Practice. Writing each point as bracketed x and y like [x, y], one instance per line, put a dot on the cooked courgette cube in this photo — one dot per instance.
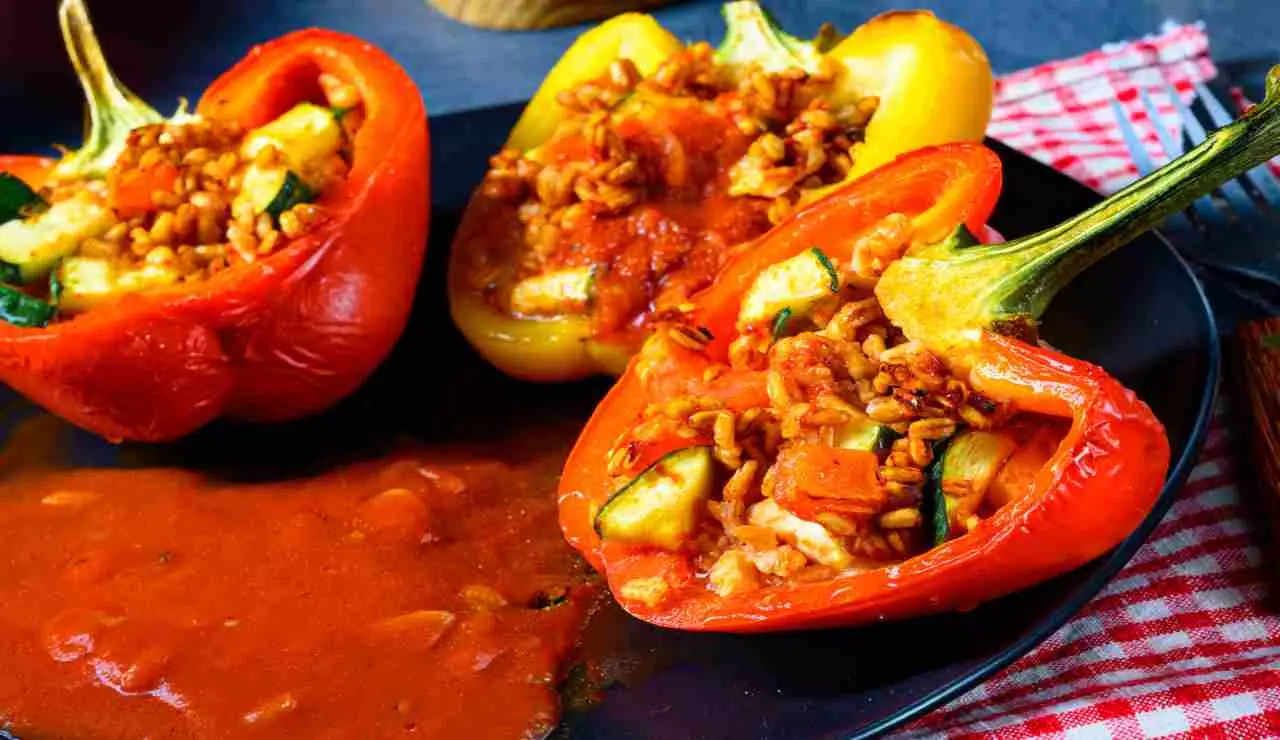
[36, 244]
[87, 281]
[863, 433]
[958, 478]
[274, 190]
[661, 506]
[793, 285]
[305, 134]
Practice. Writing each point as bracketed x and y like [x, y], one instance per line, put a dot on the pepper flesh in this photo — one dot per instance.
[934, 85]
[1098, 484]
[281, 338]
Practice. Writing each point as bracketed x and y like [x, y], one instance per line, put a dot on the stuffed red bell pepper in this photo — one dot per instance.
[840, 432]
[255, 259]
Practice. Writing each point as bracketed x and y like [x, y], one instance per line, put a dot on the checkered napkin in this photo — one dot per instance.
[1180, 644]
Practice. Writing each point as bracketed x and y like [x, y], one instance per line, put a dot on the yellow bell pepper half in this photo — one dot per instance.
[932, 79]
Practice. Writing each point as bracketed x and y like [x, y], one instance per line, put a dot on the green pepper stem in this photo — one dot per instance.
[113, 110]
[1053, 257]
[752, 37]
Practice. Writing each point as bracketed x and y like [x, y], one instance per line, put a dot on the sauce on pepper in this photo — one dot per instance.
[406, 596]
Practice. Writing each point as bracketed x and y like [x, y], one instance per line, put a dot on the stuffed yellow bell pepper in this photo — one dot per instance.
[643, 164]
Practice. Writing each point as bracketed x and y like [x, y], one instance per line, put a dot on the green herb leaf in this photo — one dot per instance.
[833, 275]
[1270, 341]
[780, 323]
[338, 112]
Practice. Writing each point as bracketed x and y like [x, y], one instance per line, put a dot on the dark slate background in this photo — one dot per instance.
[165, 50]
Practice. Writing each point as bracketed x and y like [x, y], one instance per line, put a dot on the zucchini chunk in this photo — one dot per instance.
[88, 281]
[17, 199]
[274, 190]
[862, 433]
[660, 507]
[35, 245]
[793, 285]
[966, 466]
[305, 136]
[976, 457]
[554, 293]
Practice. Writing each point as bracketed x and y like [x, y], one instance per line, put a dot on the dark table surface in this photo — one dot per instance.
[461, 68]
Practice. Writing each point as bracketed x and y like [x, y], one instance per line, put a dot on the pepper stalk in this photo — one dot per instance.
[753, 37]
[113, 111]
[945, 295]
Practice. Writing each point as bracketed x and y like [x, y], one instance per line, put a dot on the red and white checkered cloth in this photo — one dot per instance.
[1181, 643]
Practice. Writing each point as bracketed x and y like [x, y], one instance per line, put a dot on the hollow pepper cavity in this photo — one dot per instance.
[930, 83]
[1077, 497]
[277, 338]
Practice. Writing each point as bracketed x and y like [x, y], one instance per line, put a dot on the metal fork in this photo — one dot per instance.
[1235, 233]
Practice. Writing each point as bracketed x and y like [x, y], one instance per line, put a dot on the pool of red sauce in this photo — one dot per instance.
[159, 603]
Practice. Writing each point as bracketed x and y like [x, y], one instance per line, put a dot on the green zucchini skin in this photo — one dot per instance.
[17, 199]
[934, 504]
[10, 274]
[292, 192]
[24, 310]
[660, 506]
[780, 324]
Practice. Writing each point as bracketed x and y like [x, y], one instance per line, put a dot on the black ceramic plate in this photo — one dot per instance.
[1140, 314]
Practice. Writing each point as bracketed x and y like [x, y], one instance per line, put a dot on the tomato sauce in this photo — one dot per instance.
[671, 244]
[400, 597]
[649, 257]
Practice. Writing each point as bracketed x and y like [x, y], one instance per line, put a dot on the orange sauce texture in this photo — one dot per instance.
[387, 599]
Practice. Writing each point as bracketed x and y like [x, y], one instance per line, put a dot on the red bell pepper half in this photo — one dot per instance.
[1080, 498]
[285, 336]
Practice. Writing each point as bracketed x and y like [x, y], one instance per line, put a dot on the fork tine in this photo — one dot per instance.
[1172, 146]
[1138, 151]
[1260, 177]
[1204, 207]
[1132, 141]
[1231, 190]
